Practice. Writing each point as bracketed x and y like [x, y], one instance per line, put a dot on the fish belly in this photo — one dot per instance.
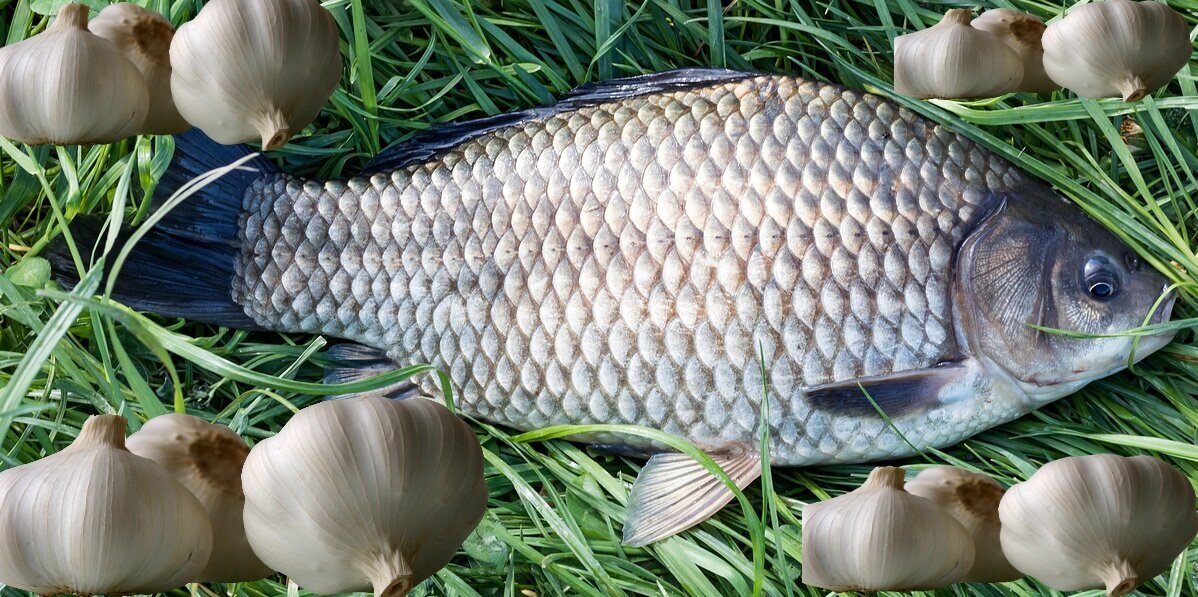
[643, 261]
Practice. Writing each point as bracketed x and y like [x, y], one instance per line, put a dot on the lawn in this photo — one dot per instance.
[556, 508]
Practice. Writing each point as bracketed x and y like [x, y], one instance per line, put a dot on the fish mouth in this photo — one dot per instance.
[1139, 348]
[1165, 311]
[1151, 343]
[1056, 386]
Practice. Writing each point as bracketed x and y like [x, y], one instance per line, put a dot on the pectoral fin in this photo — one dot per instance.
[896, 394]
[674, 493]
[354, 362]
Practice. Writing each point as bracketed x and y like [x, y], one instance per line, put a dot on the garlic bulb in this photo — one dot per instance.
[1022, 33]
[881, 538]
[66, 86]
[255, 69]
[1116, 48]
[95, 519]
[954, 60]
[364, 492]
[972, 499]
[1098, 521]
[144, 36]
[207, 460]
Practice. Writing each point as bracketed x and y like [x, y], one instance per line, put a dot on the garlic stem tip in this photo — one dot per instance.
[102, 430]
[1120, 578]
[74, 15]
[274, 139]
[886, 476]
[397, 587]
[1135, 95]
[958, 16]
[393, 578]
[1132, 88]
[274, 129]
[1122, 587]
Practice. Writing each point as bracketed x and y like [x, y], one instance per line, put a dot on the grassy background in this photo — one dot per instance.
[556, 508]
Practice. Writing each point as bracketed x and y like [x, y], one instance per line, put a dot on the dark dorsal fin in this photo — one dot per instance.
[428, 144]
[612, 90]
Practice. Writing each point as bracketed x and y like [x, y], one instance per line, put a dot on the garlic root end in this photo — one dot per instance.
[1120, 578]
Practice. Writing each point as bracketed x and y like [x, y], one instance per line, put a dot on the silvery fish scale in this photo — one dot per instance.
[637, 261]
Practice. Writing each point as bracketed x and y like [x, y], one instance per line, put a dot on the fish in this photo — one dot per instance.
[672, 250]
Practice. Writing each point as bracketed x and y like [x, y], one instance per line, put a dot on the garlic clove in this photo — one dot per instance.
[255, 69]
[953, 60]
[95, 519]
[1116, 48]
[364, 492]
[972, 499]
[207, 460]
[1098, 521]
[1022, 33]
[881, 538]
[68, 86]
[144, 37]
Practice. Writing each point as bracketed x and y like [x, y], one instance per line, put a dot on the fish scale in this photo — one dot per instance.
[628, 262]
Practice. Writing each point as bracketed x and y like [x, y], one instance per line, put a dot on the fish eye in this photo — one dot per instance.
[1100, 279]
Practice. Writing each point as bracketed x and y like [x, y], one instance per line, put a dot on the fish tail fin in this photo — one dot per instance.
[184, 265]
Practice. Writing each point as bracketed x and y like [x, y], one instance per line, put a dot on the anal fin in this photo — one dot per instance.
[351, 362]
[674, 493]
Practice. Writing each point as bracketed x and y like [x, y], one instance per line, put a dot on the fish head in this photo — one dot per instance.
[1047, 296]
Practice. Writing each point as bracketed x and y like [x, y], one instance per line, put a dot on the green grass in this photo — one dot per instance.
[556, 508]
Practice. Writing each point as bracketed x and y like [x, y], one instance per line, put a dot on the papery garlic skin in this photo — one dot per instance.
[96, 519]
[1116, 48]
[972, 499]
[207, 460]
[144, 37]
[881, 538]
[249, 70]
[1023, 33]
[1089, 522]
[68, 86]
[364, 492]
[953, 60]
